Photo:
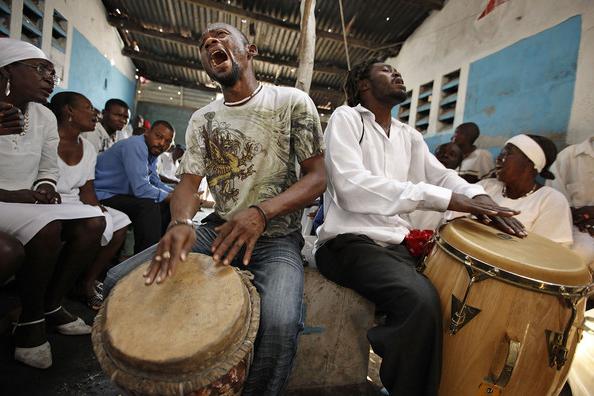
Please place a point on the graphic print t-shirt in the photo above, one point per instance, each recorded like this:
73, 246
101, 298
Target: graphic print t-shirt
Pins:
248, 152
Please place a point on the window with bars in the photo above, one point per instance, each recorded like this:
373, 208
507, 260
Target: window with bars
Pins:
448, 100
5, 13
424, 107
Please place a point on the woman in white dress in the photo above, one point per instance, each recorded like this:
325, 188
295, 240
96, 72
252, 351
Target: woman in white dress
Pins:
60, 240
76, 160
543, 210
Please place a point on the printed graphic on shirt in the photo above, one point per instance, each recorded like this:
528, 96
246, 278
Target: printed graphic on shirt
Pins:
229, 154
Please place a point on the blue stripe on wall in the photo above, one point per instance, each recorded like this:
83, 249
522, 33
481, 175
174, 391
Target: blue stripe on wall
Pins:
526, 87
92, 75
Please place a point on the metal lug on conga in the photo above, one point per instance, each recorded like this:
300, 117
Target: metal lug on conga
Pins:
461, 314
557, 351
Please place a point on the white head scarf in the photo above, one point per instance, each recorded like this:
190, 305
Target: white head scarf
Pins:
16, 50
531, 149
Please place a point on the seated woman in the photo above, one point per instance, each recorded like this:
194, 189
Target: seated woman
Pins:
60, 240
76, 160
543, 210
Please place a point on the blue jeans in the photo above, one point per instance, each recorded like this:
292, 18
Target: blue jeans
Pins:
278, 276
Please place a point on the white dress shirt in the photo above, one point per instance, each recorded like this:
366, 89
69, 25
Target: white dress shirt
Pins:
372, 183
574, 178
478, 163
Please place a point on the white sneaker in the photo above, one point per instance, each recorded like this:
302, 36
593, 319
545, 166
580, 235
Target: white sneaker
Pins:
78, 327
39, 357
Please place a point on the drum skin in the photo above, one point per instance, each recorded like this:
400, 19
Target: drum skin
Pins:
507, 312
192, 334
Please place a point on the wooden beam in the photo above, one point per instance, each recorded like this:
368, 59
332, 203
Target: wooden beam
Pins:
307, 45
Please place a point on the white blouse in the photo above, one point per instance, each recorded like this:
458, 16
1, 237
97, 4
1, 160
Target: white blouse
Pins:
32, 156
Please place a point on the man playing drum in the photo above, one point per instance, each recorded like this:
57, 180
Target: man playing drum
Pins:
247, 145
378, 169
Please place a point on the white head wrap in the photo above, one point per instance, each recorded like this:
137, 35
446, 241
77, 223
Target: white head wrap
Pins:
531, 149
16, 50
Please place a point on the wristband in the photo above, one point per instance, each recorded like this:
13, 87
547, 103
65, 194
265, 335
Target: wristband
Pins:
39, 183
187, 222
263, 214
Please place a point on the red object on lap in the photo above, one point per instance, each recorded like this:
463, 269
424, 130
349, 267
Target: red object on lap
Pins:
417, 241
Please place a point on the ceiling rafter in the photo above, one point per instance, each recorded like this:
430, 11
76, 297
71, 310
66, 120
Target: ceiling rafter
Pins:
185, 62
263, 18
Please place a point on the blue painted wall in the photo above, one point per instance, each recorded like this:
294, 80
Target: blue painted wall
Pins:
526, 87
175, 115
92, 75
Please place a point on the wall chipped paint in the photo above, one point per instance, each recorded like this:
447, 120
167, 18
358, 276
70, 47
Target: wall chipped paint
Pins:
453, 38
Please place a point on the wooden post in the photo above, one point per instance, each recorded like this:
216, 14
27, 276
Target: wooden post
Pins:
307, 45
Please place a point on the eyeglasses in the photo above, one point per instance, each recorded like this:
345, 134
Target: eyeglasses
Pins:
45, 71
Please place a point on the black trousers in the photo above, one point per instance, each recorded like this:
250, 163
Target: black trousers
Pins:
410, 341
149, 218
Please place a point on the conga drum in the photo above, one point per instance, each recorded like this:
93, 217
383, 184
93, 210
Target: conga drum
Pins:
511, 307
191, 335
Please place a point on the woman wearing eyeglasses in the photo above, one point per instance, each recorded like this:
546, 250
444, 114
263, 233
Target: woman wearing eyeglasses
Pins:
60, 240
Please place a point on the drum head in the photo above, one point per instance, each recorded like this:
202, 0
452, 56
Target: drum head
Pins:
180, 325
533, 257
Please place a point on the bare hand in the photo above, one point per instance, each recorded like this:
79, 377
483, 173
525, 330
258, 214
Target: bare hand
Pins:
26, 196
173, 247
243, 229
49, 193
488, 212
582, 215
11, 119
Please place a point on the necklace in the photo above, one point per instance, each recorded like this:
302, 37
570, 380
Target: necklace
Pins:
25, 123
242, 101
504, 192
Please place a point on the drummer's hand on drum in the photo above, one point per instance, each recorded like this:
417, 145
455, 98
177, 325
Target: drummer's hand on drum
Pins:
583, 219
488, 212
173, 247
243, 229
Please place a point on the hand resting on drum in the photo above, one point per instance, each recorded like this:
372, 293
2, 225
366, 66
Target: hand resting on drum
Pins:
173, 247
488, 212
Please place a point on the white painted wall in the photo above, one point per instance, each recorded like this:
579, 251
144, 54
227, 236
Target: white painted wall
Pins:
452, 38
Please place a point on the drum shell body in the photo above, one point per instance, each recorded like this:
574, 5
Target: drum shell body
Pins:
220, 370
476, 353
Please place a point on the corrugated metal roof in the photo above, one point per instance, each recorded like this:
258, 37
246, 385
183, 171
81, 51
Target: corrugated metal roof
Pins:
161, 36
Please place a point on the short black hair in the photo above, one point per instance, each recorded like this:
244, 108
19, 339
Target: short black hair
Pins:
115, 102
61, 100
471, 130
359, 72
166, 124
550, 151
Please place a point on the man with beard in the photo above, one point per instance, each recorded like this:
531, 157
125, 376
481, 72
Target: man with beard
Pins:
126, 179
380, 169
247, 145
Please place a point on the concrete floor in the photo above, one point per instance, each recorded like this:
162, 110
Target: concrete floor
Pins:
75, 369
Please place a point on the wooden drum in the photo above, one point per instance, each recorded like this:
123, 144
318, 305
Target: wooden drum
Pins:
193, 334
511, 307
